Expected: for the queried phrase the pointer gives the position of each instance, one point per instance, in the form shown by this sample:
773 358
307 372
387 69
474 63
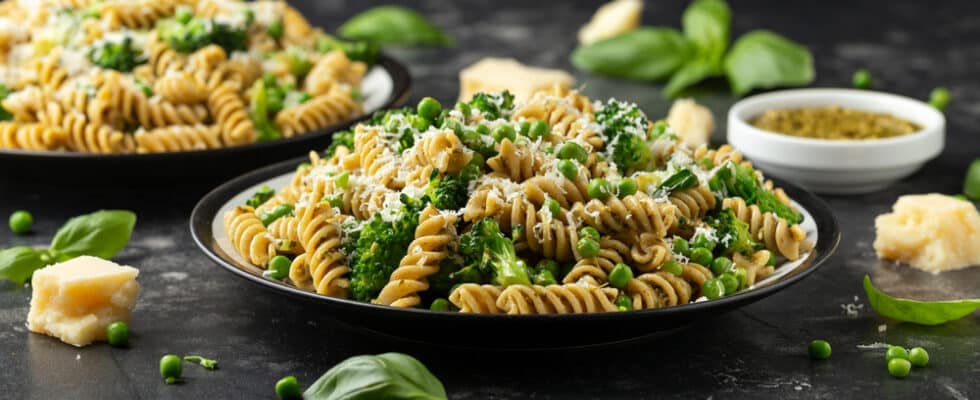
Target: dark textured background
190 306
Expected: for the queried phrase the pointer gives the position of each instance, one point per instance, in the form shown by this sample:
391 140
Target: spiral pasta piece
565 191
319 233
29 137
473 298
777 234
542 233
435 233
81 135
756 266
333 68
374 158
286 232
694 203
557 299
162 58
177 138
180 88
637 212
249 236
517 163
649 252
229 112
318 113
139 14
25 104
440 150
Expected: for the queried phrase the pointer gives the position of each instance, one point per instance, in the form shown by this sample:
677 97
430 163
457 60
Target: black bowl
499 331
196 165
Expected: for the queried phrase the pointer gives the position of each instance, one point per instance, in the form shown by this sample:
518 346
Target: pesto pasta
559 204
149 76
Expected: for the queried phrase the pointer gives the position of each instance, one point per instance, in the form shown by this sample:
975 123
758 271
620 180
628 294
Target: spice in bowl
834 123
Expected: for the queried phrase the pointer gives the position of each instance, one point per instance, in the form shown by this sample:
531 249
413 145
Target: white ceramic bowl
837 166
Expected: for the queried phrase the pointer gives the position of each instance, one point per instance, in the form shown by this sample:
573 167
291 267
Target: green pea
278 267
545 278
549 265
659 128
772 259
503 131
524 128
721 265
589 232
21 222
419 123
894 352
249 17
553 207
439 304
626 187
743 277
288 388
568 169
184 16
730 282
861 79
483 129
899 367
587 247
304 97
538 129
624 302
682 247
819 350
170 368
599 189
429 108
117 334
342 180
335 201
706 163
701 256
275 30
919 357
939 98
572 151
701 240
620 276
713 288
673 267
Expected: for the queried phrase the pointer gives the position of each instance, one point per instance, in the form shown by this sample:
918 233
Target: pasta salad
559 204
146 76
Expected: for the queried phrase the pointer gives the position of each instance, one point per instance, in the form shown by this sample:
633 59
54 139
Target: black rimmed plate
499 331
386 85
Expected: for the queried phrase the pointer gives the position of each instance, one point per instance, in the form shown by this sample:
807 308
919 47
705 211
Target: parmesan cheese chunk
692 122
931 232
76 300
613 18
499 74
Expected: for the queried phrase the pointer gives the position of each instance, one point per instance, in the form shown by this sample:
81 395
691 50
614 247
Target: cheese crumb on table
692 122
931 232
499 74
612 19
76 300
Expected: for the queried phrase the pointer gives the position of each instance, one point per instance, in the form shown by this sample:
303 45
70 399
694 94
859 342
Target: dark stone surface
189 306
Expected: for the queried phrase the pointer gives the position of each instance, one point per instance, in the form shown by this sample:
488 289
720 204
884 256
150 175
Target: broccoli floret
493 105
189 36
4 114
379 248
366 52
625 129
740 180
733 233
489 251
450 192
121 56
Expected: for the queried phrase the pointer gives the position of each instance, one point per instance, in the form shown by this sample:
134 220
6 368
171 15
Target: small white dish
837 166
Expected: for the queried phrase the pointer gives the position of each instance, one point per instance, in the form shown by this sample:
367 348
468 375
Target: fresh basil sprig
763 59
394 25
918 312
760 59
391 376
100 234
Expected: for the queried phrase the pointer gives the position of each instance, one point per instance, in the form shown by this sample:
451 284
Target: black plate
544 331
202 164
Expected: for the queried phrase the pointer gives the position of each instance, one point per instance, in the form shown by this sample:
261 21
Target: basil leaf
707 24
17 264
691 73
391 376
762 59
101 234
394 25
680 180
647 54
918 312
